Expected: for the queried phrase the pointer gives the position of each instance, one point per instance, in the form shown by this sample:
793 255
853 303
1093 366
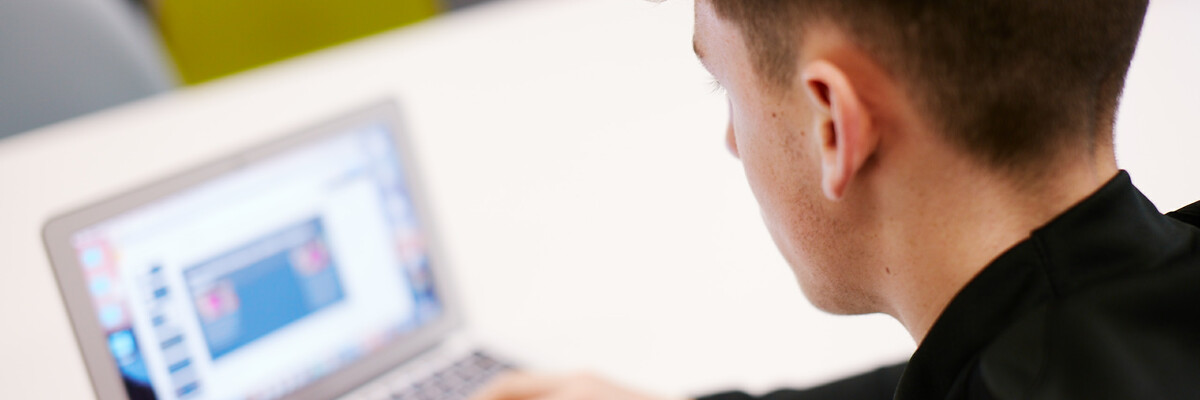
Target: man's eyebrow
696 48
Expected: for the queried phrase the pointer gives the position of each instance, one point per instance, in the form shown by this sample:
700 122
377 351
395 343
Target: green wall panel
213 38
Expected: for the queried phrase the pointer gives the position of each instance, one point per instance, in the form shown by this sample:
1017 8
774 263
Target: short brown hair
1010 81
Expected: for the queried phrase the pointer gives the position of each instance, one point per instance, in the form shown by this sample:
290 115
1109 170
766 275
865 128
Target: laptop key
455 382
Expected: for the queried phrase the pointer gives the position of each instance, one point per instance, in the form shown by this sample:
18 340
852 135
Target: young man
950 163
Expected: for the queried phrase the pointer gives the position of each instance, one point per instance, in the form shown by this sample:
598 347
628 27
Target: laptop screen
264 279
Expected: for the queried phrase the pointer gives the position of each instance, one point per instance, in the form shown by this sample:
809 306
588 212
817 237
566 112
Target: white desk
575 152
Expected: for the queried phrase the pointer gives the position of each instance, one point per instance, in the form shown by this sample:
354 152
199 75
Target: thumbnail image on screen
252 291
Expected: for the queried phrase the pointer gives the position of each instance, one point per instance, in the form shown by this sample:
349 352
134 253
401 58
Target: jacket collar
1115 230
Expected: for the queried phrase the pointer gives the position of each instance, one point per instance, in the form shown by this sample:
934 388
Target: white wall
1158 129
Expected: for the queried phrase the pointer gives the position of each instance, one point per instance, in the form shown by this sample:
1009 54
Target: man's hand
523 386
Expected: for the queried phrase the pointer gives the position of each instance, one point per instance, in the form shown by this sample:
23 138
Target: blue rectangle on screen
254 290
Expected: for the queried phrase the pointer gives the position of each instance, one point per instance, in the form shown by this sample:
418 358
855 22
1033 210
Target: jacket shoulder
1133 338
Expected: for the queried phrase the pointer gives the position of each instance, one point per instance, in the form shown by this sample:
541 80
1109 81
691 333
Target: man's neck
943 241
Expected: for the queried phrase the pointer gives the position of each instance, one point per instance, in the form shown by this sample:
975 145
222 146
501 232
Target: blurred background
63 58
573 150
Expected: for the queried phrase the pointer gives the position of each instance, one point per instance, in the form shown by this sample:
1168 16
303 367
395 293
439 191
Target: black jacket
1103 302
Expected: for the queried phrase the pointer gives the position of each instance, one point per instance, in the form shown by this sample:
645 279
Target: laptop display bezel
102 368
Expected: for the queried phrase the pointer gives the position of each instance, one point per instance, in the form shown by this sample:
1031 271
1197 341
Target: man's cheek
761 184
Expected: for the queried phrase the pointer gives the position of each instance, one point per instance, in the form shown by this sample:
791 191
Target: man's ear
842 126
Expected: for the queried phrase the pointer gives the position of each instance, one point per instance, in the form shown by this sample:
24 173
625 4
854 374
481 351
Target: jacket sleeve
879 384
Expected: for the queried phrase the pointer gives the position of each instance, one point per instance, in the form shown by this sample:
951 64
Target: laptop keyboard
454 382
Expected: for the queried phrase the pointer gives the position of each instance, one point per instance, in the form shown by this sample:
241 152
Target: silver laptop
306 268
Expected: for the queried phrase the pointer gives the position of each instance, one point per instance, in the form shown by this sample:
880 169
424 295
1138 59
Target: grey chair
64 58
